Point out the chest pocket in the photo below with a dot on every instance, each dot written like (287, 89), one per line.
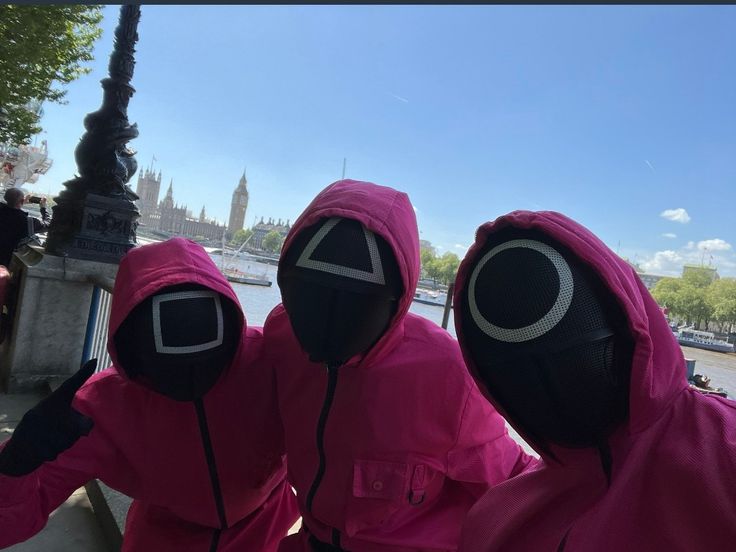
(381, 489)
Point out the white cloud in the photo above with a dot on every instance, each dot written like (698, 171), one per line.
(670, 262)
(716, 244)
(676, 215)
(664, 262)
(669, 235)
(461, 246)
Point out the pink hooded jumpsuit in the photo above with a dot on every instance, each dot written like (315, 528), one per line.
(197, 487)
(408, 443)
(673, 478)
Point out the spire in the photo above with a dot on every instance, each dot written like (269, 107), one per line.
(202, 215)
(170, 191)
(243, 182)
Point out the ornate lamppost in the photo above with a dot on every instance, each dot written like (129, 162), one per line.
(95, 217)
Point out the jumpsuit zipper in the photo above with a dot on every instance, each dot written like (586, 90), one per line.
(212, 467)
(326, 405)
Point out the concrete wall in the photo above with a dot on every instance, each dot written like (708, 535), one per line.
(50, 320)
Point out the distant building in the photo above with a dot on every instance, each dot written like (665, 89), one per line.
(170, 217)
(262, 228)
(650, 280)
(238, 207)
(149, 186)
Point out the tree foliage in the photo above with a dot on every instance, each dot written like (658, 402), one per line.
(697, 300)
(272, 241)
(440, 269)
(42, 48)
(241, 236)
(721, 297)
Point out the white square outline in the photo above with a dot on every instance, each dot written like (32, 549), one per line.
(187, 349)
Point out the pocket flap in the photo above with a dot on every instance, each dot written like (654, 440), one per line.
(386, 480)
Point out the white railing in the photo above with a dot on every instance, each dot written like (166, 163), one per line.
(95, 339)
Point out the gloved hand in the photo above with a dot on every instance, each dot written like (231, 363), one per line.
(47, 429)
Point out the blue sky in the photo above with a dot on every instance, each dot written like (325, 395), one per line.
(621, 117)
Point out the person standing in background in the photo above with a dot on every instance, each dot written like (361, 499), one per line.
(16, 224)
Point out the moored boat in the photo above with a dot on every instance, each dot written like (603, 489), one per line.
(429, 297)
(703, 340)
(239, 277)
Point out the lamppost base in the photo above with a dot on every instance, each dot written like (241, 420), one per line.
(96, 228)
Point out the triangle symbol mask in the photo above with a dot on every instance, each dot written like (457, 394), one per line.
(374, 276)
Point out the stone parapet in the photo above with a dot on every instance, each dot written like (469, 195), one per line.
(48, 320)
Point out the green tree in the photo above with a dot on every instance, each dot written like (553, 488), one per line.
(433, 269)
(721, 296)
(667, 294)
(449, 263)
(698, 277)
(272, 241)
(694, 304)
(41, 47)
(241, 236)
(426, 254)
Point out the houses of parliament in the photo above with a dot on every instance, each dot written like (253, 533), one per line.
(170, 218)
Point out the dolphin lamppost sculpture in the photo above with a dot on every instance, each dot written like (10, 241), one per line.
(95, 217)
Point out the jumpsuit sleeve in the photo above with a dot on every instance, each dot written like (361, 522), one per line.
(27, 501)
(484, 454)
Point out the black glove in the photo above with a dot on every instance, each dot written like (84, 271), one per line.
(47, 429)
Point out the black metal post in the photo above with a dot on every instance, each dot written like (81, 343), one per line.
(95, 217)
(448, 305)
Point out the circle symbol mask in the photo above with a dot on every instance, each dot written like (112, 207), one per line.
(546, 322)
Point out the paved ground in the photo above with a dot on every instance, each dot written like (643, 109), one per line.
(73, 526)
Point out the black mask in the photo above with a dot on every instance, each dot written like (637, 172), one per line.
(340, 286)
(548, 339)
(179, 341)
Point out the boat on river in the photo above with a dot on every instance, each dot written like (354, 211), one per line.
(703, 340)
(430, 297)
(240, 277)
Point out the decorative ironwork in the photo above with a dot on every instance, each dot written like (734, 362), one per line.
(104, 160)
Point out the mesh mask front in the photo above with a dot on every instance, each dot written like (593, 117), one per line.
(548, 339)
(340, 285)
(179, 341)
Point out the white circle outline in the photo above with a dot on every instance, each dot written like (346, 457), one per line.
(549, 320)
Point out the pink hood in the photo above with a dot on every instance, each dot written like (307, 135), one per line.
(384, 211)
(145, 270)
(677, 446)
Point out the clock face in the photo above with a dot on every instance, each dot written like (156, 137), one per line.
(244, 201)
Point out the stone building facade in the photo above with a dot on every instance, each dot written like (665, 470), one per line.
(169, 217)
(262, 228)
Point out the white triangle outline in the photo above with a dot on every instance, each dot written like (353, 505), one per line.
(374, 277)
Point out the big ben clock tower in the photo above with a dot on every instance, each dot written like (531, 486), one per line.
(238, 206)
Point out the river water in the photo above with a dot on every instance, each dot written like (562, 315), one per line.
(257, 302)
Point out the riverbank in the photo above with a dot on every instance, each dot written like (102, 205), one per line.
(719, 367)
